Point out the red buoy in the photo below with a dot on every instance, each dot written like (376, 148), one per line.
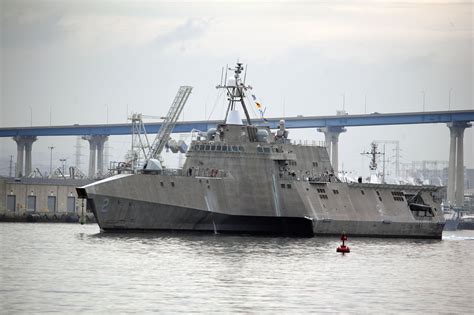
(343, 248)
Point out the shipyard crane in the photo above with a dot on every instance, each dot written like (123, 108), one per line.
(153, 159)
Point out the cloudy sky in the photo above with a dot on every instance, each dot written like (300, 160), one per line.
(87, 62)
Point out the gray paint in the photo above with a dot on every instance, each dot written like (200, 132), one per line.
(289, 180)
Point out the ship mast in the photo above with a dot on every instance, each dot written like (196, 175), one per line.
(373, 156)
(235, 91)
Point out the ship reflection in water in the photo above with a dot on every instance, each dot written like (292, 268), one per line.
(72, 268)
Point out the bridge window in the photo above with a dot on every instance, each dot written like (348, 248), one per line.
(263, 150)
(213, 147)
(218, 148)
(282, 185)
(288, 186)
(224, 148)
(207, 147)
(315, 164)
(335, 191)
(235, 149)
(362, 192)
(323, 196)
(201, 147)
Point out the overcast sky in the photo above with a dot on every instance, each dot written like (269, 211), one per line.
(86, 62)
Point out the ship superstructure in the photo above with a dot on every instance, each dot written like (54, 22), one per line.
(243, 178)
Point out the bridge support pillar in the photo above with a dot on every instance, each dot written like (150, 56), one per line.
(100, 155)
(96, 146)
(24, 145)
(331, 137)
(456, 163)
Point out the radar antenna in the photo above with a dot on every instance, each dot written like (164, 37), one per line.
(235, 91)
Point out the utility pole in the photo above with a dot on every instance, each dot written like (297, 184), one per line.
(63, 163)
(31, 116)
(397, 154)
(11, 166)
(51, 161)
(365, 104)
(424, 94)
(449, 98)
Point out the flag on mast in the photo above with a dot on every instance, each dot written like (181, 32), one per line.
(260, 108)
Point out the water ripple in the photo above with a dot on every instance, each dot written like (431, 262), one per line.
(69, 268)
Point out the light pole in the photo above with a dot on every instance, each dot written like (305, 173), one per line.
(423, 92)
(31, 116)
(51, 161)
(449, 98)
(365, 104)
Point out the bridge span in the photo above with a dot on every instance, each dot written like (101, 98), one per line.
(374, 119)
(332, 126)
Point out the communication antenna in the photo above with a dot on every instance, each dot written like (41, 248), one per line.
(236, 92)
(226, 69)
(222, 74)
(245, 74)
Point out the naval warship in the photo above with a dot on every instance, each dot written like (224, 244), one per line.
(245, 178)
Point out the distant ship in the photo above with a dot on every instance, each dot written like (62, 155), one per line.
(245, 178)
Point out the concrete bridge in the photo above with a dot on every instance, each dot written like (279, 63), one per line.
(331, 126)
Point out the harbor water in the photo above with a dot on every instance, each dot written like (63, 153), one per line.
(69, 268)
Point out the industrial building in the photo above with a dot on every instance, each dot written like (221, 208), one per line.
(51, 199)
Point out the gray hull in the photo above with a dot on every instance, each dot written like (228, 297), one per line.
(143, 203)
(153, 217)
